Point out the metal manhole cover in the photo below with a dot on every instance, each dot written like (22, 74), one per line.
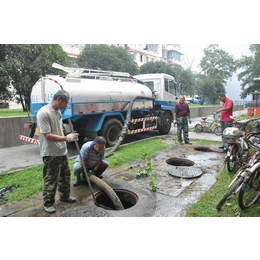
(85, 211)
(186, 172)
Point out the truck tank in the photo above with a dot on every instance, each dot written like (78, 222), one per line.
(88, 96)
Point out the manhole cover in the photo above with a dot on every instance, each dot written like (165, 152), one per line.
(179, 162)
(203, 149)
(127, 198)
(86, 211)
(186, 172)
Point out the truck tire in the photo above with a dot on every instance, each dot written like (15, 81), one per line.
(111, 130)
(166, 124)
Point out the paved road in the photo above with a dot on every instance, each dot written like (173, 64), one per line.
(20, 157)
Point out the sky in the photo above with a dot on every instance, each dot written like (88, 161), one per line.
(194, 52)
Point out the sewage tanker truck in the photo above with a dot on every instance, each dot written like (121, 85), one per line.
(99, 102)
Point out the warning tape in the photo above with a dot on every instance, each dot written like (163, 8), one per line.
(29, 140)
(143, 119)
(141, 130)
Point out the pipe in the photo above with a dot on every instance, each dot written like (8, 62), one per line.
(108, 190)
(125, 127)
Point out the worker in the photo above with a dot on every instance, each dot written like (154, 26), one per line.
(226, 121)
(181, 117)
(53, 149)
(92, 154)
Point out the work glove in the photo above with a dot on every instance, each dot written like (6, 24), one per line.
(174, 122)
(73, 137)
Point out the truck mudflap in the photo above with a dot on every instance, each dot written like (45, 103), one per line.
(29, 140)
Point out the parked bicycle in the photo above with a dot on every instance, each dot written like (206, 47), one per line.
(206, 126)
(236, 185)
(249, 192)
(238, 150)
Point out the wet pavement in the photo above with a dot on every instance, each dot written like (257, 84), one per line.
(172, 199)
(173, 196)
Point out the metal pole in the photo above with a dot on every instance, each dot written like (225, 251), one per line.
(83, 164)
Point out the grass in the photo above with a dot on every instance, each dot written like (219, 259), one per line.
(12, 112)
(30, 180)
(206, 207)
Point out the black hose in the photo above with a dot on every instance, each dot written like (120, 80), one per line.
(125, 126)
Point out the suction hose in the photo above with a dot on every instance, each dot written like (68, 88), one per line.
(125, 127)
(108, 190)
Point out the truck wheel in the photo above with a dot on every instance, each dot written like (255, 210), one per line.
(166, 124)
(111, 130)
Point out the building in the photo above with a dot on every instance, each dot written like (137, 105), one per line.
(143, 53)
(73, 51)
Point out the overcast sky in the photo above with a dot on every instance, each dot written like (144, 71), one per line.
(194, 52)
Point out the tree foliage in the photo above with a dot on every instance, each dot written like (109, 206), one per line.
(251, 71)
(217, 67)
(23, 64)
(104, 57)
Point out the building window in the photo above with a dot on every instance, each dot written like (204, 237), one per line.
(141, 57)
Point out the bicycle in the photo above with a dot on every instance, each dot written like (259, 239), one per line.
(249, 192)
(235, 185)
(213, 126)
(238, 150)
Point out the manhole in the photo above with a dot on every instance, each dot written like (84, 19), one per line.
(90, 211)
(183, 169)
(179, 162)
(128, 199)
(203, 149)
(186, 172)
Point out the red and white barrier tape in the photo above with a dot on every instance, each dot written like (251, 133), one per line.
(143, 119)
(29, 140)
(141, 130)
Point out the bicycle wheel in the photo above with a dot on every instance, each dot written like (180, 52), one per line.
(250, 191)
(230, 191)
(198, 128)
(217, 130)
(232, 158)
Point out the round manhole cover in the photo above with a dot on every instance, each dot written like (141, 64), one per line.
(85, 211)
(185, 172)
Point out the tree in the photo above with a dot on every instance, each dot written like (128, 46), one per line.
(217, 67)
(23, 64)
(251, 66)
(104, 57)
(183, 77)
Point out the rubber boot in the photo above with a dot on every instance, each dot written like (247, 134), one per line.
(77, 180)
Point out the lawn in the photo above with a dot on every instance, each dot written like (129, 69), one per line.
(206, 207)
(12, 112)
(29, 181)
(205, 105)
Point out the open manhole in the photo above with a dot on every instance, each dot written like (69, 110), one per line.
(183, 168)
(127, 198)
(174, 161)
(203, 149)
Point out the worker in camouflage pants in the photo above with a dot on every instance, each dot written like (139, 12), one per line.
(55, 171)
(53, 148)
(181, 117)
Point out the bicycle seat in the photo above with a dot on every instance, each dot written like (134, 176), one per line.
(204, 118)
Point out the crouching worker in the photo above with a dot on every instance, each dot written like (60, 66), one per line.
(92, 154)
